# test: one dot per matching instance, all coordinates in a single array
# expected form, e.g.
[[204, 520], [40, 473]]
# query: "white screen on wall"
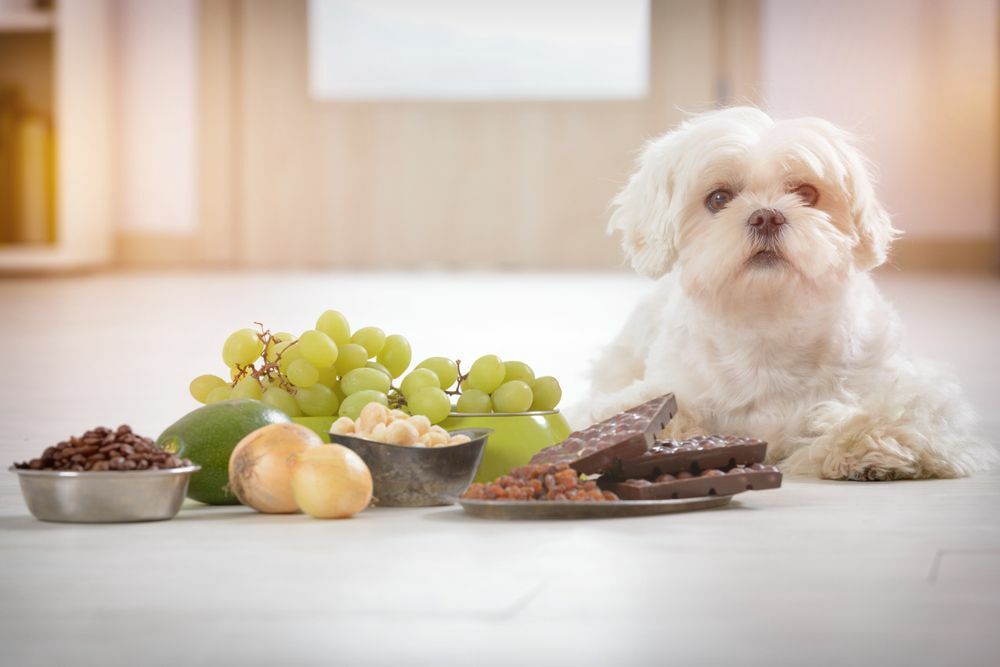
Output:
[[478, 49]]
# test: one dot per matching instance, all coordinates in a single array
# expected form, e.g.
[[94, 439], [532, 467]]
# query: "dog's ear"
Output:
[[872, 223], [642, 211]]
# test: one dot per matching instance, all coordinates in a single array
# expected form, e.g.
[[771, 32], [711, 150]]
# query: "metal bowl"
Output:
[[106, 496], [418, 476]]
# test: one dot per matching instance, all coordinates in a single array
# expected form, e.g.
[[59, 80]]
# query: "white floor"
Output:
[[815, 573]]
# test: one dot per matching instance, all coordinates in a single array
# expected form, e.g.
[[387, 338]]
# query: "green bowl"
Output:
[[319, 424], [516, 436]]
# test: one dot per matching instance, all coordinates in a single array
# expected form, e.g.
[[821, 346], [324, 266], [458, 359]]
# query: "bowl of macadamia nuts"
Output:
[[413, 463]]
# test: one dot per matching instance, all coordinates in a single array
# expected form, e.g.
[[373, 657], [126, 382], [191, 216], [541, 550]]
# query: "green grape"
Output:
[[518, 370], [396, 355], [276, 344], [339, 392], [547, 393], [317, 400], [327, 377], [335, 325], [242, 348], [444, 368], [302, 374], [430, 402], [464, 386], [281, 399], [351, 356], [380, 368], [317, 348], [362, 379], [370, 338], [513, 396], [486, 373], [289, 352], [352, 405], [203, 384], [223, 393], [474, 400], [248, 387], [417, 380]]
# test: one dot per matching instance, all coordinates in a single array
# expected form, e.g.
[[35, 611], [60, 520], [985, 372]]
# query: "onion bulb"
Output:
[[330, 482], [259, 472]]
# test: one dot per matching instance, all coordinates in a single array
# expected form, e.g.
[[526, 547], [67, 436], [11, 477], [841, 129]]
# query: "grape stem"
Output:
[[457, 391], [396, 399], [268, 369]]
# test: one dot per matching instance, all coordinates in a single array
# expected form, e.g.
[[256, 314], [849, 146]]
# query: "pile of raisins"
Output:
[[539, 481]]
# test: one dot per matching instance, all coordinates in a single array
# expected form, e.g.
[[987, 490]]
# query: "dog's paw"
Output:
[[879, 460], [864, 473]]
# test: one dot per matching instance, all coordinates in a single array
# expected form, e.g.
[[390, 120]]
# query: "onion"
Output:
[[330, 482], [258, 468]]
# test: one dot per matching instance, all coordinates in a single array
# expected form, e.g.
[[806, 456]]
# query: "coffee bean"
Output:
[[103, 449]]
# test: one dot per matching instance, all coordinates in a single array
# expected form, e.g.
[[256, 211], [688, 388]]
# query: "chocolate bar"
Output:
[[624, 436], [694, 455], [712, 482]]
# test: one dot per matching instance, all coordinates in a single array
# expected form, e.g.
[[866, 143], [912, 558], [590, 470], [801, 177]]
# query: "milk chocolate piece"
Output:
[[702, 452], [711, 482], [624, 436]]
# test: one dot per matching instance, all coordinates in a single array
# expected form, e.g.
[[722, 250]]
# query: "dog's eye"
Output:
[[719, 199], [807, 193]]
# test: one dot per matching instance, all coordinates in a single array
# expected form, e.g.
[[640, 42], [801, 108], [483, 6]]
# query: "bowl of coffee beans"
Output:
[[105, 476]]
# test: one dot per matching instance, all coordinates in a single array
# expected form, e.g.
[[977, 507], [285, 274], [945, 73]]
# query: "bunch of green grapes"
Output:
[[491, 385], [327, 370], [330, 370]]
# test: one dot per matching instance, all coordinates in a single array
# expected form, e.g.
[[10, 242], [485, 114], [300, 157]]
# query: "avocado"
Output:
[[207, 436]]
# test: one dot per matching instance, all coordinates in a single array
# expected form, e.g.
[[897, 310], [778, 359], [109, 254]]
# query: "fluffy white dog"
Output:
[[764, 320]]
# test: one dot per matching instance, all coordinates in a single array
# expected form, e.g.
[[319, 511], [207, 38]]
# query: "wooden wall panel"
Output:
[[444, 184]]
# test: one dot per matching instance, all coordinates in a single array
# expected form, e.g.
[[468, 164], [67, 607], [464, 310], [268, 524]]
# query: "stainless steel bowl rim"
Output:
[[482, 432], [535, 413], [105, 473]]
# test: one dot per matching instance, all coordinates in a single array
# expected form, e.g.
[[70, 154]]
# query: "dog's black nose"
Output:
[[766, 221]]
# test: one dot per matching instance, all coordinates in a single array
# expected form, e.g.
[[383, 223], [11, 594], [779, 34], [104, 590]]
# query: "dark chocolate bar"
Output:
[[702, 452], [711, 482], [624, 436]]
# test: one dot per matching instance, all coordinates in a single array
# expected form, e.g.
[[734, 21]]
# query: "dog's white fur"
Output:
[[804, 352]]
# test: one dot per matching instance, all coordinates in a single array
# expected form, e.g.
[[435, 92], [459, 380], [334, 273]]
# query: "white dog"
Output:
[[764, 320]]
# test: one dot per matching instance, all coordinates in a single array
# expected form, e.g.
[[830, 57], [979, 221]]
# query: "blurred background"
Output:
[[453, 134]]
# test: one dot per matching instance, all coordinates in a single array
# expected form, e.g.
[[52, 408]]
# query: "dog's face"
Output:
[[743, 205]]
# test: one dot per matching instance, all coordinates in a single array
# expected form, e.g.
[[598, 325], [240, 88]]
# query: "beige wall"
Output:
[[285, 180], [292, 181], [157, 112]]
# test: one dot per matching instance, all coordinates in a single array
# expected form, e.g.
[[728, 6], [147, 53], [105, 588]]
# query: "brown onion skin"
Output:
[[258, 467], [331, 482]]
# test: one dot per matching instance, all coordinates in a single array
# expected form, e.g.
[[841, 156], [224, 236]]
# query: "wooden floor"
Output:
[[816, 573]]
